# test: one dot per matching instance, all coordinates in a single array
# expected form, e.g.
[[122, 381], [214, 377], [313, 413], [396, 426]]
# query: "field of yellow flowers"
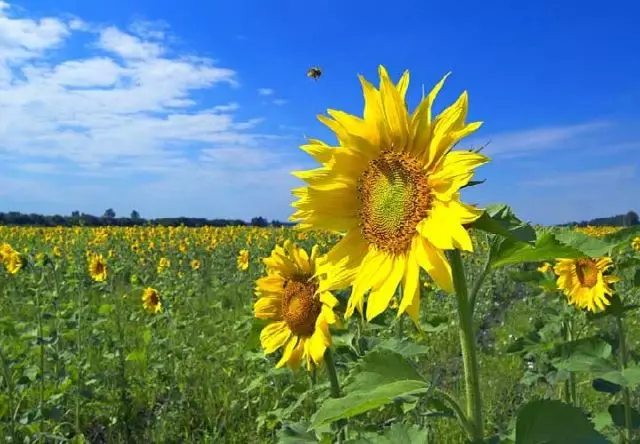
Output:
[[147, 334]]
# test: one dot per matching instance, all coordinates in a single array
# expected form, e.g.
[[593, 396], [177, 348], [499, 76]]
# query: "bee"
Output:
[[314, 72]]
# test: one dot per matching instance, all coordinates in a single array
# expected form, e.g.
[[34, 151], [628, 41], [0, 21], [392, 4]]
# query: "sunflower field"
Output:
[[393, 312]]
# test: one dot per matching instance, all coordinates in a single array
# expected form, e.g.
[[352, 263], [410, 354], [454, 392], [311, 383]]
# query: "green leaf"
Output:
[[383, 377], [604, 386], [636, 278], [629, 377], [407, 349], [499, 219], [396, 434], [547, 247], [105, 309], [296, 433], [136, 355], [602, 420], [617, 416], [147, 336], [553, 422], [585, 355], [621, 237], [590, 246]]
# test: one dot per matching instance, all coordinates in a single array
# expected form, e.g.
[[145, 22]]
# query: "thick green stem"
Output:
[[573, 396], [453, 405], [468, 345], [473, 296], [335, 386], [626, 395]]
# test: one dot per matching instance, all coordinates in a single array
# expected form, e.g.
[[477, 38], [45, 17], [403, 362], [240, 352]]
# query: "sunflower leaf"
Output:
[[383, 377], [553, 422], [397, 433], [501, 220], [590, 246], [546, 247]]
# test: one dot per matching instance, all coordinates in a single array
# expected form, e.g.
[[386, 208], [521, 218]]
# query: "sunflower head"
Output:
[[585, 281], [97, 268], [300, 315], [635, 243], [151, 300], [195, 264], [13, 262], [242, 260], [392, 185]]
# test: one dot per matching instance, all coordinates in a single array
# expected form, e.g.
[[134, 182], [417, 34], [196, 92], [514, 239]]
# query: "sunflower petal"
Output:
[[274, 336], [380, 297]]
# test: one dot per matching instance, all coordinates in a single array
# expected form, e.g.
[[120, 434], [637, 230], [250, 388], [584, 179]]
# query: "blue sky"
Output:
[[197, 108]]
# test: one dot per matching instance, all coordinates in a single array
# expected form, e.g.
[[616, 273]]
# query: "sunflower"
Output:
[[392, 186], [300, 314], [151, 300], [13, 262], [243, 260], [635, 243], [545, 267], [584, 282], [195, 264], [97, 268], [163, 264]]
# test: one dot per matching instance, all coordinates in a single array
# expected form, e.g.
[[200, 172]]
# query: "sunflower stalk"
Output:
[[335, 388], [626, 394], [468, 346]]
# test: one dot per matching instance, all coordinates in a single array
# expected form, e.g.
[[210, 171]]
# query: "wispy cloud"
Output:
[[265, 91], [614, 174], [532, 141], [279, 102]]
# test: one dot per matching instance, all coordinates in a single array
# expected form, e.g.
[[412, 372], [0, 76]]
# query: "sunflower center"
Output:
[[153, 298], [587, 272], [98, 268], [394, 197], [300, 307]]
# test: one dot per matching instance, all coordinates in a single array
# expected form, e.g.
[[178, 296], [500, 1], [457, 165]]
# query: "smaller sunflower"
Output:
[[300, 315], [97, 268], [195, 264], [243, 260], [584, 282], [13, 262], [635, 243], [163, 264], [545, 267], [151, 300]]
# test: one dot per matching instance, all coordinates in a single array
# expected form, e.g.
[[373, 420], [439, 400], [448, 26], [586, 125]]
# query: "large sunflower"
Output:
[[584, 282], [300, 314], [393, 187]]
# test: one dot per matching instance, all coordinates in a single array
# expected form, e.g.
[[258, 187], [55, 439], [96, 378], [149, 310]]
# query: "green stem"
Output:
[[335, 387], [573, 396], [473, 296], [10, 393], [626, 395], [468, 345], [450, 401]]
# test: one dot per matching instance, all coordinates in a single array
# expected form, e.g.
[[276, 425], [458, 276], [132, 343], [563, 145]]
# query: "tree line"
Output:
[[620, 220], [134, 219]]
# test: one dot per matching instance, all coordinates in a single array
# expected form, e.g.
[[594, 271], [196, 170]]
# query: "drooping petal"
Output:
[[410, 301], [268, 308], [455, 172], [380, 297], [434, 262], [444, 230], [274, 336]]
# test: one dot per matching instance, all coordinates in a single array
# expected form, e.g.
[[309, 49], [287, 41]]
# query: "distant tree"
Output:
[[631, 218], [259, 222], [135, 215], [75, 213], [109, 213]]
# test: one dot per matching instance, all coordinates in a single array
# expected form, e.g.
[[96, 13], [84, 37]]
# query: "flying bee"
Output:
[[314, 72]]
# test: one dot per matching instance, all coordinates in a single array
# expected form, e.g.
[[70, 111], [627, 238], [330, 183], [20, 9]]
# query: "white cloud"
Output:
[[609, 175], [265, 91], [127, 104], [279, 102], [531, 141]]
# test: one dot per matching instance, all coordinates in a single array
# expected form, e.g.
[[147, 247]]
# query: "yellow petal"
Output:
[[274, 336], [268, 308], [421, 127], [288, 353], [455, 172], [403, 84], [443, 229], [374, 112], [411, 288], [375, 267], [342, 262], [379, 298], [451, 119], [395, 111], [434, 262]]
